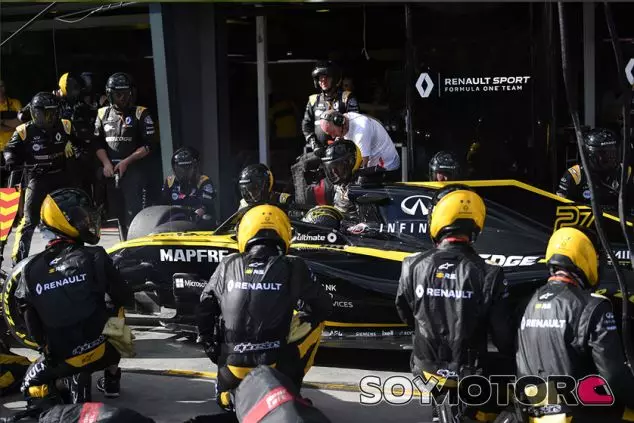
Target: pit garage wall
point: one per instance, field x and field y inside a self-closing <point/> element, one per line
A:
<point x="192" y="104"/>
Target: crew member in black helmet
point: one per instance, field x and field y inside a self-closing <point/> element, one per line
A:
<point x="326" y="78"/>
<point x="602" y="151"/>
<point x="188" y="186"/>
<point x="45" y="142"/>
<point x="125" y="136"/>
<point x="256" y="186"/>
<point x="444" y="167"/>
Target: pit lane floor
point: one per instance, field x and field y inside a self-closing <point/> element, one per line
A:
<point x="171" y="380"/>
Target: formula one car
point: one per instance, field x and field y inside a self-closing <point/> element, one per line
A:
<point x="169" y="263"/>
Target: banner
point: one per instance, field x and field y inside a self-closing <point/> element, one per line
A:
<point x="9" y="202"/>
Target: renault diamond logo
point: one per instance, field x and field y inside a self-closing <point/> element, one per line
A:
<point x="628" y="71"/>
<point x="38" y="289"/>
<point x="424" y="79"/>
<point x="412" y="204"/>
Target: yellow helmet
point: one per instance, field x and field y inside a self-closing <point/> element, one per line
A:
<point x="70" y="85"/>
<point x="69" y="212"/>
<point x="456" y="209"/>
<point x="264" y="222"/>
<point x="571" y="249"/>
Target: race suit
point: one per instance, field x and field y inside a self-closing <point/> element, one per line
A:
<point x="32" y="145"/>
<point x="453" y="298"/>
<point x="569" y="331"/>
<point x="574" y="186"/>
<point x="61" y="293"/>
<point x="120" y="134"/>
<point x="200" y="196"/>
<point x="256" y="293"/>
<point x="342" y="101"/>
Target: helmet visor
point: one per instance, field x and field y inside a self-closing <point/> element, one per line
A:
<point x="45" y="117"/>
<point x="120" y="98"/>
<point x="339" y="171"/>
<point x="603" y="158"/>
<point x="254" y="190"/>
<point x="185" y="172"/>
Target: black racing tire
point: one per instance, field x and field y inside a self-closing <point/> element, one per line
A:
<point x="175" y="226"/>
<point x="150" y="218"/>
<point x="12" y="317"/>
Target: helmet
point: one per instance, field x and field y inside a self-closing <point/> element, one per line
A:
<point x="444" y="163"/>
<point x="69" y="213"/>
<point x="456" y="209"/>
<point x="341" y="160"/>
<point x="262" y="224"/>
<point x="326" y="216"/>
<point x="602" y="147"/>
<point x="327" y="68"/>
<point x="186" y="164"/>
<point x="71" y="85"/>
<point x="571" y="249"/>
<point x="119" y="90"/>
<point x="256" y="183"/>
<point x="44" y="110"/>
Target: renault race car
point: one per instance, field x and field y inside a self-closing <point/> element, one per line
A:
<point x="168" y="263"/>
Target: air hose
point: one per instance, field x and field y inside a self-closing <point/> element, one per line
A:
<point x="596" y="210"/>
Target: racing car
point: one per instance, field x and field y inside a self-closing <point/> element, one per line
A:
<point x="167" y="263"/>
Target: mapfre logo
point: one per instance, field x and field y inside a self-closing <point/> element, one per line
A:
<point x="416" y="205"/>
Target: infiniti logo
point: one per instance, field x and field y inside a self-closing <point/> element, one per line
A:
<point x="413" y="203"/>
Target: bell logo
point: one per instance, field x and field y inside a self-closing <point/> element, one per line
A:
<point x="594" y="390"/>
<point x="415" y="203"/>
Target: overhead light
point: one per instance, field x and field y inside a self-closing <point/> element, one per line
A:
<point x="323" y="10"/>
<point x="289" y="53"/>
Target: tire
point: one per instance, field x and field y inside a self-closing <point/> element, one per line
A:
<point x="147" y="220"/>
<point x="12" y="318"/>
<point x="175" y="226"/>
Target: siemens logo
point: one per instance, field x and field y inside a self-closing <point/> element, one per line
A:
<point x="42" y="287"/>
<point x="210" y="256"/>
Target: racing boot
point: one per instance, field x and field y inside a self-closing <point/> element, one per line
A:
<point x="80" y="388"/>
<point x="110" y="384"/>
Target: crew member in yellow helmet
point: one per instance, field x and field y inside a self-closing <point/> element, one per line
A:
<point x="62" y="295"/>
<point x="254" y="294"/>
<point x="568" y="330"/>
<point x="453" y="299"/>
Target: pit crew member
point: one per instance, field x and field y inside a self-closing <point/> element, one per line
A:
<point x="452" y="297"/>
<point x="125" y="136"/>
<point x="568" y="330"/>
<point x="327" y="78"/>
<point x="61" y="293"/>
<point x="602" y="149"/>
<point x="254" y="293"/>
<point x="377" y="148"/>
<point x="187" y="186"/>
<point x="44" y="142"/>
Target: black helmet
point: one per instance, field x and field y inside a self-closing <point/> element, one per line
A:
<point x="256" y="183"/>
<point x="186" y="165"/>
<point x="44" y="110"/>
<point x="444" y="163"/>
<point x="341" y="160"/>
<point x="602" y="147"/>
<point x="326" y="216"/>
<point x="120" y="90"/>
<point x="69" y="212"/>
<point x="327" y="68"/>
<point x="71" y="86"/>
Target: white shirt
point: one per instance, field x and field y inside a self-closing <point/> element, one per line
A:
<point x="373" y="141"/>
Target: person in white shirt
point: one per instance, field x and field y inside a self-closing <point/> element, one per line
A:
<point x="367" y="133"/>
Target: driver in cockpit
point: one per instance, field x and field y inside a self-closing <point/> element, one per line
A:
<point x="256" y="186"/>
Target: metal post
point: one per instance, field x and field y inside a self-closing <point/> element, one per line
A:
<point x="589" y="112"/>
<point x="162" y="94"/>
<point x="409" y="94"/>
<point x="263" y="100"/>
